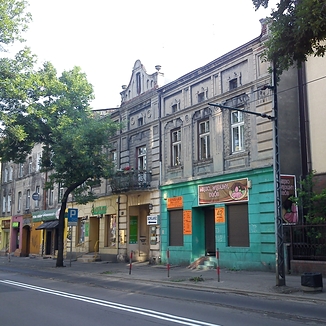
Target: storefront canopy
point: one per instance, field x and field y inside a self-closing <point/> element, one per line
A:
<point x="48" y="225"/>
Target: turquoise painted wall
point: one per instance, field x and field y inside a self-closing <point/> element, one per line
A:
<point x="260" y="255"/>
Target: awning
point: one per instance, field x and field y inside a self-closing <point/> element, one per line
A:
<point x="48" y="225"/>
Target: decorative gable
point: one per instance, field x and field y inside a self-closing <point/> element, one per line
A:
<point x="141" y="82"/>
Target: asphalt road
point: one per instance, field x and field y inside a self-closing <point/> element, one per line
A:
<point x="43" y="297"/>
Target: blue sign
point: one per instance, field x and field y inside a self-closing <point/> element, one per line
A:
<point x="72" y="215"/>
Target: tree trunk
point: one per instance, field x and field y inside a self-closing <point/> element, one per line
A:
<point x="62" y="221"/>
<point x="61" y="232"/>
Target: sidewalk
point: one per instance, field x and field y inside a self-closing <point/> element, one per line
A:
<point x="242" y="282"/>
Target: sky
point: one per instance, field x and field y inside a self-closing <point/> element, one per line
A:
<point x="106" y="37"/>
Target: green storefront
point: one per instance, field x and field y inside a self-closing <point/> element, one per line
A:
<point x="234" y="213"/>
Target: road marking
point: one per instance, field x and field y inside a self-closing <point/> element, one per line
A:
<point x="113" y="305"/>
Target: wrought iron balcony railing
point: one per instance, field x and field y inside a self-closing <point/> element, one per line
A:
<point x="123" y="181"/>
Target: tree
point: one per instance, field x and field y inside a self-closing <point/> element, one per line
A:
<point x="298" y="30"/>
<point x="39" y="107"/>
<point x="313" y="203"/>
<point x="13" y="20"/>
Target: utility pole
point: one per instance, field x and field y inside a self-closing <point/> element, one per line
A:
<point x="279" y="264"/>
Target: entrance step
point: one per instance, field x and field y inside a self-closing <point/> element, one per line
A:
<point x="204" y="262"/>
<point x="89" y="258"/>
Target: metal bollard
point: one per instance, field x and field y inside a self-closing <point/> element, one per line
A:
<point x="168" y="261"/>
<point x="218" y="264"/>
<point x="130" y="262"/>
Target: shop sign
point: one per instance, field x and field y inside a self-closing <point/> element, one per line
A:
<point x="99" y="210"/>
<point x="15" y="224"/>
<point x="46" y="215"/>
<point x="5" y="224"/>
<point x="223" y="192"/>
<point x="175" y="202"/>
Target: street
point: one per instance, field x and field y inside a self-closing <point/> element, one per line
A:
<point x="41" y="298"/>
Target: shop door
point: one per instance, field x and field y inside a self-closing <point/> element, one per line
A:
<point x="48" y="244"/>
<point x="210" y="243"/>
<point x="94" y="234"/>
<point x="26" y="241"/>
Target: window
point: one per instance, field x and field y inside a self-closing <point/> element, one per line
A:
<point x="140" y="121"/>
<point x="28" y="199"/>
<point x="176" y="147"/>
<point x="233" y="84"/>
<point x="238" y="225"/>
<point x="9" y="203"/>
<point x="176" y="228"/>
<point x="138" y="83"/>
<point x="3" y="202"/>
<point x="141" y="165"/>
<point x="141" y="158"/>
<point x="6" y="174"/>
<point x="20" y="170"/>
<point x="11" y="172"/>
<point x="80" y="230"/>
<point x="37" y="202"/>
<point x="51" y="197"/>
<point x="204" y="144"/>
<point x="60" y="195"/>
<point x="38" y="161"/>
<point x="29" y="165"/>
<point x="201" y="97"/>
<point x="237" y="126"/>
<point x="19" y="202"/>
<point x="114" y="160"/>
<point x="110" y="236"/>
<point x="174" y="108"/>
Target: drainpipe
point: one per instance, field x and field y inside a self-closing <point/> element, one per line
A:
<point x="304" y="123"/>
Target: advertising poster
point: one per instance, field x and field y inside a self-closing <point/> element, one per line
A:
<point x="288" y="190"/>
<point x="187" y="222"/>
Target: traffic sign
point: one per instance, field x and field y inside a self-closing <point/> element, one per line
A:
<point x="72" y="216"/>
<point x="36" y="196"/>
<point x="152" y="219"/>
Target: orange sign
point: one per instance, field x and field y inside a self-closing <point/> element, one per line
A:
<point x="175" y="202"/>
<point x="187" y="222"/>
<point x="220" y="215"/>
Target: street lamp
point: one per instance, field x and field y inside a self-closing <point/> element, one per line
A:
<point x="280" y="265"/>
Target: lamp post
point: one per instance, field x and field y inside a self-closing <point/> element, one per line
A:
<point x="279" y="264"/>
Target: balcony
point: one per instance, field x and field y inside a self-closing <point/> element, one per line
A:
<point x="127" y="180"/>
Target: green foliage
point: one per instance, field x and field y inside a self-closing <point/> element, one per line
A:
<point x="38" y="107"/>
<point x="298" y="30"/>
<point x="13" y="20"/>
<point x="196" y="279"/>
<point x="313" y="204"/>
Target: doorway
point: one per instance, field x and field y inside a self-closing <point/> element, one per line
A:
<point x="210" y="242"/>
<point x="94" y="231"/>
<point x="26" y="241"/>
<point x="48" y="243"/>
